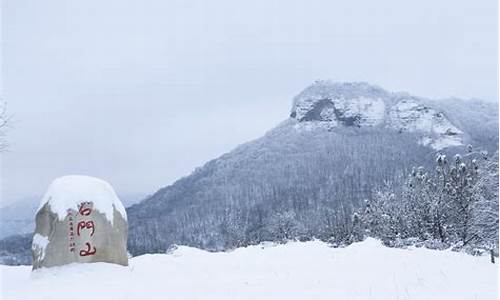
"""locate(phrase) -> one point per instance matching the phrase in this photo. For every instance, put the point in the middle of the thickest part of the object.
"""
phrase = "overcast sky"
(141, 92)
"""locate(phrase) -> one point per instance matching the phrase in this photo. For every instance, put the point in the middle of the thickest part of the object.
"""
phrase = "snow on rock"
(39, 245)
(328, 105)
(340, 103)
(80, 220)
(70, 191)
(309, 270)
(412, 116)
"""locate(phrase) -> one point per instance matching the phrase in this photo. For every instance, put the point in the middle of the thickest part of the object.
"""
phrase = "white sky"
(141, 92)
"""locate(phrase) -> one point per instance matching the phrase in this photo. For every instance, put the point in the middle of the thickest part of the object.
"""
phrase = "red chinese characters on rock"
(87, 251)
(85, 225)
(71, 233)
(84, 210)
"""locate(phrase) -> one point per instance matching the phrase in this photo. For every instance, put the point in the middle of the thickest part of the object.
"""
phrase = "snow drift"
(310, 270)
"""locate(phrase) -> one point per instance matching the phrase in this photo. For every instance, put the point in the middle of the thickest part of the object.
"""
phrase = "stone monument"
(80, 220)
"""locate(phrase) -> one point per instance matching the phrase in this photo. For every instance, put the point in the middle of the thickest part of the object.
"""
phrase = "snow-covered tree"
(455, 205)
(357, 233)
(485, 217)
(383, 216)
(422, 212)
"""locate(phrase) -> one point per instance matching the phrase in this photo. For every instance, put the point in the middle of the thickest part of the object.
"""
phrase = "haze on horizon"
(140, 93)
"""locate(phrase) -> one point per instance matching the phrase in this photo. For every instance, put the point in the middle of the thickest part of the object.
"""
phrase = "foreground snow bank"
(310, 270)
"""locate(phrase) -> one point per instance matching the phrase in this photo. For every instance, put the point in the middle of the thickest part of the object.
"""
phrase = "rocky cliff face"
(410, 114)
(340, 104)
(330, 105)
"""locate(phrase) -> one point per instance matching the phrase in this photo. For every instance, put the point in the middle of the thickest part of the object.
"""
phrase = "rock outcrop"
(80, 220)
(359, 104)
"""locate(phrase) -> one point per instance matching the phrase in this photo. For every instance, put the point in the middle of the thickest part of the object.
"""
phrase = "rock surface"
(80, 220)
(359, 104)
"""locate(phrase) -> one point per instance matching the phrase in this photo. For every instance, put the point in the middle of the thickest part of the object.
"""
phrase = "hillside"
(305, 177)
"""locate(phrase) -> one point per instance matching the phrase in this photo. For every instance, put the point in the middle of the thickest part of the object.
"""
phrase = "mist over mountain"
(305, 177)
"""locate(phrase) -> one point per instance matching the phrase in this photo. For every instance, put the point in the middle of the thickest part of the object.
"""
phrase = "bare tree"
(4, 123)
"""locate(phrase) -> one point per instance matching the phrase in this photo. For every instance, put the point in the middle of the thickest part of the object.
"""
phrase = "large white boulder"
(80, 220)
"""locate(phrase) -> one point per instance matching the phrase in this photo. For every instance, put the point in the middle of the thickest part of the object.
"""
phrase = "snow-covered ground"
(309, 270)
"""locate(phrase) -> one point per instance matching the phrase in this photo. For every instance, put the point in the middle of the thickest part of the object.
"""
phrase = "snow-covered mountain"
(310, 270)
(305, 177)
(18, 217)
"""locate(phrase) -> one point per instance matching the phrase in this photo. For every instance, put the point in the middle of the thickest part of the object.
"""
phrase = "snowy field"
(309, 270)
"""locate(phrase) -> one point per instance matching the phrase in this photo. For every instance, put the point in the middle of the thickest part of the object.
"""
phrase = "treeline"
(16, 250)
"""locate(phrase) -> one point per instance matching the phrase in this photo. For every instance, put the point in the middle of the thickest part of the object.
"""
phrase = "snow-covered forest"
(352, 161)
(273, 190)
(454, 204)
(314, 175)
